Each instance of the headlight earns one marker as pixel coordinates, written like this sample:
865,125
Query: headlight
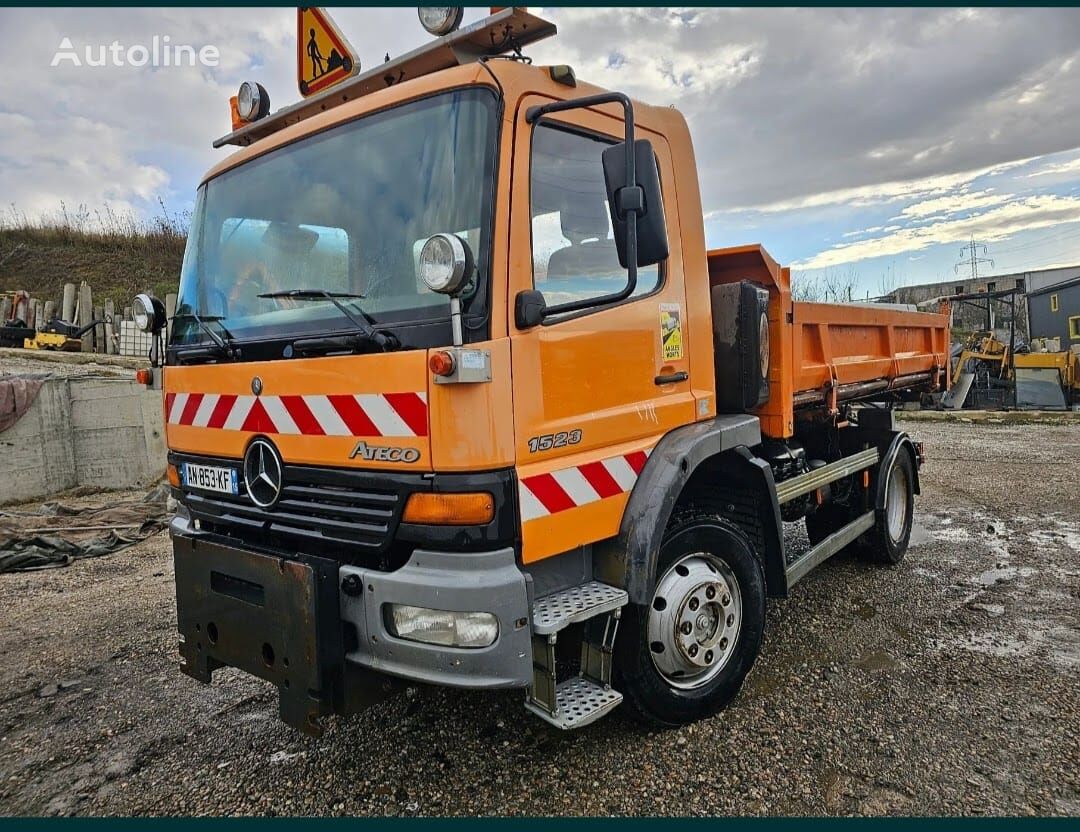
440,20
445,263
252,101
450,629
148,313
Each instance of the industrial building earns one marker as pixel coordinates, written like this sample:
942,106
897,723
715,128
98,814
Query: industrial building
1048,305
1053,304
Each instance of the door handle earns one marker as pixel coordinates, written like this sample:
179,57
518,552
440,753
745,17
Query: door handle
671,378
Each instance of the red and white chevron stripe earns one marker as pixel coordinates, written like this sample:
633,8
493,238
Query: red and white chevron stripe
579,485
365,414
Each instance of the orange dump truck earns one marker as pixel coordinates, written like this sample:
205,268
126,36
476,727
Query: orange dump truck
455,394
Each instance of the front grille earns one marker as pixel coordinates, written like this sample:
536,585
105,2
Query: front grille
347,514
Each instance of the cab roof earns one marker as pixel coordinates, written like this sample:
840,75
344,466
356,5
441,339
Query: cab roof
507,30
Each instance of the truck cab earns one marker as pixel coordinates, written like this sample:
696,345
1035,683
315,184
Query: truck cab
454,391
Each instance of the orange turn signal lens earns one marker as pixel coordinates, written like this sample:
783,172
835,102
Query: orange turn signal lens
449,509
144,376
441,363
173,475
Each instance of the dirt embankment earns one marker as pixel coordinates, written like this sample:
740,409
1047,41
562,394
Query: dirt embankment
117,265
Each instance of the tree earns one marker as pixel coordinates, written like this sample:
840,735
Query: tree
831,285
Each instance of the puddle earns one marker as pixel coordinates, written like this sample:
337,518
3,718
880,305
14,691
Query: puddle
999,645
877,661
919,535
1000,574
1062,643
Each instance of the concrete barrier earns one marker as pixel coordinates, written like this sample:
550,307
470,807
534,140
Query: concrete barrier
83,431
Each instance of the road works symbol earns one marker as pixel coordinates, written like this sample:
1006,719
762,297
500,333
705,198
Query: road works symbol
323,56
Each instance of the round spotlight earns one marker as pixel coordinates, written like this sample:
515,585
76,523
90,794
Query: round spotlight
445,263
148,313
440,20
252,101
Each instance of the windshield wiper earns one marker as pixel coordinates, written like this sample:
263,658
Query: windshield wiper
385,341
225,348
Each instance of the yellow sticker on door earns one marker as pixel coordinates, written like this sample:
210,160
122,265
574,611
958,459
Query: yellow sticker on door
671,331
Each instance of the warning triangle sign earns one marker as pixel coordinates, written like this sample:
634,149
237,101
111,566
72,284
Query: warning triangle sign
323,56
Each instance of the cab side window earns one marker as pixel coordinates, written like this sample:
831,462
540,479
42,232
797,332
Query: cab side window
574,254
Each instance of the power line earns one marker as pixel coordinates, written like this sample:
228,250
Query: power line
1061,237
970,250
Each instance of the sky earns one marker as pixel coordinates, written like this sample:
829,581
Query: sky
866,142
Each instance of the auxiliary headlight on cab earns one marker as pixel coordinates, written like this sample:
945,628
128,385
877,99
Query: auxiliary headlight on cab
445,263
148,313
252,101
440,20
442,627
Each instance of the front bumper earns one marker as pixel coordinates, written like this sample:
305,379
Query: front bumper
288,621
458,582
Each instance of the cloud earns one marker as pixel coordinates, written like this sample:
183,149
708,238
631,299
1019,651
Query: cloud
808,124
998,223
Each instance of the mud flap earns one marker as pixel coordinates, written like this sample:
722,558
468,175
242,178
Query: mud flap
275,618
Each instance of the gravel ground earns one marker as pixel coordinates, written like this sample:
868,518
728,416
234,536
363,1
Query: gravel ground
948,685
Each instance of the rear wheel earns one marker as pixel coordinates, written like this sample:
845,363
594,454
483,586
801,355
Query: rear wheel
887,542
685,655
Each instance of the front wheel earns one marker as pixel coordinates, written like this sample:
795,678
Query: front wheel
685,655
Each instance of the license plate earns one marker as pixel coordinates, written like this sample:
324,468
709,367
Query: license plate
210,478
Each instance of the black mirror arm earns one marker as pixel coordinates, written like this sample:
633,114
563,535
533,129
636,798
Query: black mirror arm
630,197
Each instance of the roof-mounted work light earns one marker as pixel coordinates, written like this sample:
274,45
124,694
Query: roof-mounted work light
252,101
440,20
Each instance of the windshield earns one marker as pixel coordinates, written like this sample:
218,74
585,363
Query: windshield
345,211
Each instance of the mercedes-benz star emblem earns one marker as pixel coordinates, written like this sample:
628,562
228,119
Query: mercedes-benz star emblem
262,473
256,385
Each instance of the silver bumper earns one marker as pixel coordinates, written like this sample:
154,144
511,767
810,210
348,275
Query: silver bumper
460,582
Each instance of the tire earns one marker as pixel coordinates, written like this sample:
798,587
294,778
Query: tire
887,542
719,561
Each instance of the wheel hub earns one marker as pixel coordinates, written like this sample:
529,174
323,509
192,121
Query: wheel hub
694,620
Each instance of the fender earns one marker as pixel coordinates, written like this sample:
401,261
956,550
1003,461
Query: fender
900,443
629,559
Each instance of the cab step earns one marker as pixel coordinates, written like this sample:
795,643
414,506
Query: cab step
584,698
573,605
578,701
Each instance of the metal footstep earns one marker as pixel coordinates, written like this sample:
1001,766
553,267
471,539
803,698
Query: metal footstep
578,603
578,701
581,699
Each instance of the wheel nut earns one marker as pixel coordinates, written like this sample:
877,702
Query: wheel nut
708,657
725,600
693,651
723,644
710,592
694,603
731,620
686,628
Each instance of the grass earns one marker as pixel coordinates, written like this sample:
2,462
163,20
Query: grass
117,253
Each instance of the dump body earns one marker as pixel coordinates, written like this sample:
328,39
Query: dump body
823,353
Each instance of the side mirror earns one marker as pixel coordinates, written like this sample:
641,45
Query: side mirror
646,200
529,309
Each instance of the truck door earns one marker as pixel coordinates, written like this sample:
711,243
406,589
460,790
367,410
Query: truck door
593,390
